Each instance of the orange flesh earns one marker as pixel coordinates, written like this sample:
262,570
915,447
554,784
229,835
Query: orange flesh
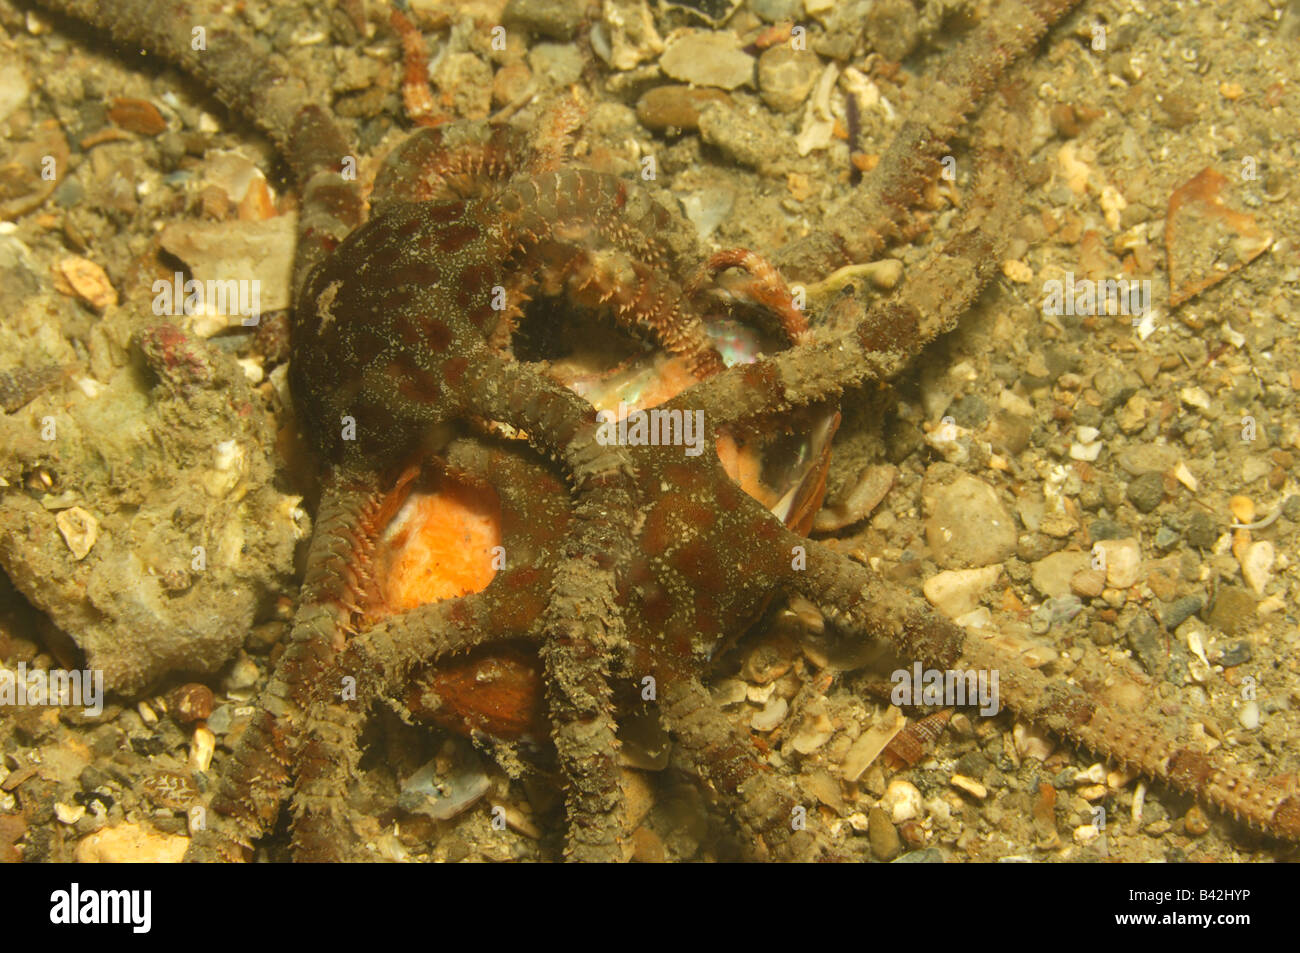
440,546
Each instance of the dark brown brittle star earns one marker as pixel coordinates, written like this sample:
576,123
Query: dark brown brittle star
660,554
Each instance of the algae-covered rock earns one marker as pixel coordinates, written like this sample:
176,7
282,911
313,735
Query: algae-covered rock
169,460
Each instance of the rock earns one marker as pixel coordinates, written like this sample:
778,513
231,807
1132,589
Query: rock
131,844
1105,529
786,76
1257,565
1085,834
257,253
85,279
929,855
749,135
14,89
1140,459
1202,531
902,801
869,744
771,715
1143,636
191,702
774,11
1166,538
859,502
882,835
1249,715
1233,611
1052,574
559,64
1180,611
632,37
967,525
970,786
1146,492
80,529
243,674
675,107
707,59
1195,822
892,28
956,592
1123,562
1088,583
558,19
1237,654
1032,742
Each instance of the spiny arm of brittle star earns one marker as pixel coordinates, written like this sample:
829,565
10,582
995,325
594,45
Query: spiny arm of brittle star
379,661
765,806
883,343
582,629
450,162
257,84
377,664
254,780
863,224
862,602
622,249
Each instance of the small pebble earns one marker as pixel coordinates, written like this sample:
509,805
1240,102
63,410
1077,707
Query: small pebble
882,835
131,844
771,715
69,813
1257,565
1195,822
85,279
1236,654
956,592
1146,492
191,702
80,530
708,59
902,800
1123,562
969,785
1032,742
930,855
203,744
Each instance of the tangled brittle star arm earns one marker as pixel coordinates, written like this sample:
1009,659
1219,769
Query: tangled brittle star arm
765,806
374,665
257,84
878,349
616,246
379,661
861,602
583,631
865,222
255,780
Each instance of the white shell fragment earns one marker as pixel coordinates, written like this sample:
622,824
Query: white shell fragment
80,530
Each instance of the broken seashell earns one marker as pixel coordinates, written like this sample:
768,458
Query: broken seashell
79,529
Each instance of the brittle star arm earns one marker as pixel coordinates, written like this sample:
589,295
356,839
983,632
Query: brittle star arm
255,780
863,603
